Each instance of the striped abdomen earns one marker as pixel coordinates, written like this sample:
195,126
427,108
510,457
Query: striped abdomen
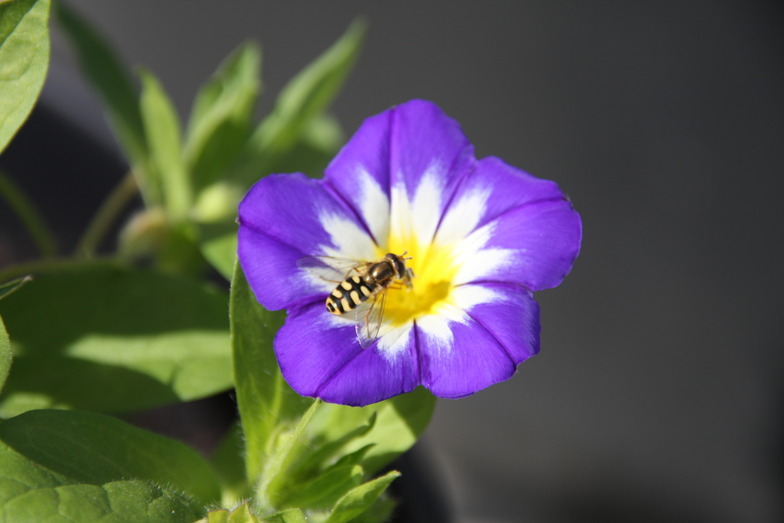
349,294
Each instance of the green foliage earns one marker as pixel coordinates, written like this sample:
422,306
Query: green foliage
24,60
111,337
101,337
83,446
112,82
220,120
266,403
5,354
300,103
361,498
298,136
301,453
30,491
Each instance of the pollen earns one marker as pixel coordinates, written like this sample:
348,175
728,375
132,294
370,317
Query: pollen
434,271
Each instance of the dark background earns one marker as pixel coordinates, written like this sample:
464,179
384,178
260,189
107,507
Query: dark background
658,393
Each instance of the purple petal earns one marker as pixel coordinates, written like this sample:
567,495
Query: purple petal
282,219
534,245
509,187
471,360
320,356
399,148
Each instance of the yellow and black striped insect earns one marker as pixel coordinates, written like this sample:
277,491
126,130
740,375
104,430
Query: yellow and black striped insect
367,283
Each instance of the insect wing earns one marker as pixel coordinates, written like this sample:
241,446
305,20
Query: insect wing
330,268
369,320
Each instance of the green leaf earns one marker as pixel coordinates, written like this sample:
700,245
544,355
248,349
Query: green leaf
292,515
101,337
275,478
318,144
24,60
305,98
241,514
360,498
28,215
97,449
119,501
399,423
164,140
221,116
104,70
31,492
5,354
266,403
219,246
323,490
228,463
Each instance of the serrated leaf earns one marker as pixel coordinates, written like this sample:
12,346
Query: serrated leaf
164,141
5,354
360,498
221,116
266,403
304,98
110,79
399,423
101,337
24,60
97,449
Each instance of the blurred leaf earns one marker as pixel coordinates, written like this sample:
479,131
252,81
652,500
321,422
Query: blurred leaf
266,403
228,463
101,337
98,449
360,498
219,245
112,82
318,144
31,492
221,116
164,140
305,98
292,515
6,289
28,215
5,354
400,421
24,60
241,514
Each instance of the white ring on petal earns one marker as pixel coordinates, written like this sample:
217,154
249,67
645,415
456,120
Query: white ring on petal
462,217
374,205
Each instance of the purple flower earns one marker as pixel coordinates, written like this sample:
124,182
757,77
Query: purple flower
481,236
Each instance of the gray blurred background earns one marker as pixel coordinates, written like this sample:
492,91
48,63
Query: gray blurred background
658,393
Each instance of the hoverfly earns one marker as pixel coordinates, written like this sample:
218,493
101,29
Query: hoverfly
363,290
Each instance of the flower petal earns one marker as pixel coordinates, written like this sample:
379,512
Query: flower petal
492,189
410,152
499,330
284,218
533,245
320,356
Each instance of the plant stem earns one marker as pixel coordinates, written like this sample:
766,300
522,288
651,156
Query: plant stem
105,216
28,215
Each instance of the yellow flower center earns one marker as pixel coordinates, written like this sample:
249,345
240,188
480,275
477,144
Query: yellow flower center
434,270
